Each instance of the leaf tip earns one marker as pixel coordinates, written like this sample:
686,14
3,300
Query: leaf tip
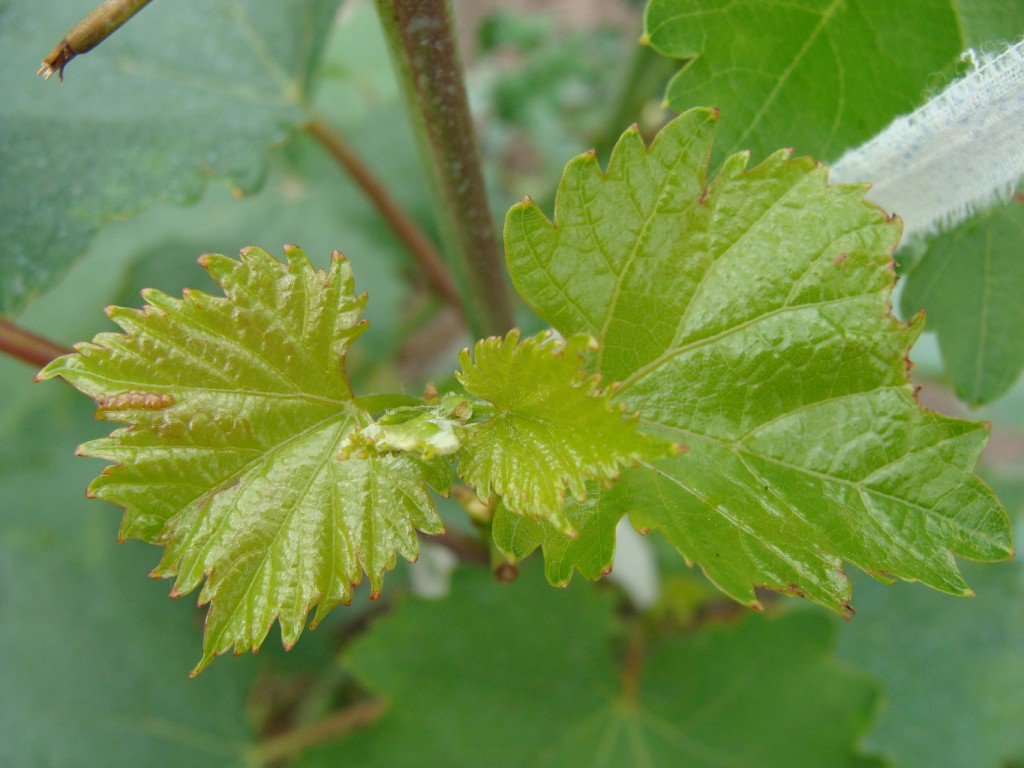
645,39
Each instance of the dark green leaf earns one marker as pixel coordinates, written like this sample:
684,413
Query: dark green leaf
952,672
524,676
94,654
820,76
970,282
186,92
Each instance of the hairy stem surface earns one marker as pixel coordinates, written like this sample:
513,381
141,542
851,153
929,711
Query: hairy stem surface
422,45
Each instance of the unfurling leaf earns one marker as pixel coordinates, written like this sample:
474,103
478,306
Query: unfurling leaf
428,430
553,427
748,317
237,409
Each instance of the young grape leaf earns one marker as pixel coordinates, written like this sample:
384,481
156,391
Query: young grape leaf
591,552
540,683
553,427
820,76
749,318
213,85
238,408
970,281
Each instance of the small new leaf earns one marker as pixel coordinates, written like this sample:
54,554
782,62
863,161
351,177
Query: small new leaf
591,552
237,409
553,426
748,316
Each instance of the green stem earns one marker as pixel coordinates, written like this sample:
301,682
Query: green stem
333,726
27,347
401,223
422,45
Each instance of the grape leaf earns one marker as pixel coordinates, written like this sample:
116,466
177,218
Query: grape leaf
970,281
553,427
238,407
92,657
591,552
187,92
952,674
820,76
523,675
749,318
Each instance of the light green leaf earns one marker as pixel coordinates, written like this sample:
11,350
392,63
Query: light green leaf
591,552
820,76
952,673
748,317
553,427
186,92
970,282
238,407
543,680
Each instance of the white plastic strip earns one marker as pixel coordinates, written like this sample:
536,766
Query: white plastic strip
959,153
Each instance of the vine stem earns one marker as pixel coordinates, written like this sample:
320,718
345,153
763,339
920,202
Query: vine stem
422,46
28,347
401,223
108,17
334,725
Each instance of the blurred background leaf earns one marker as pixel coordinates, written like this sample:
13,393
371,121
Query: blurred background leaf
549,677
952,672
188,92
970,282
96,656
